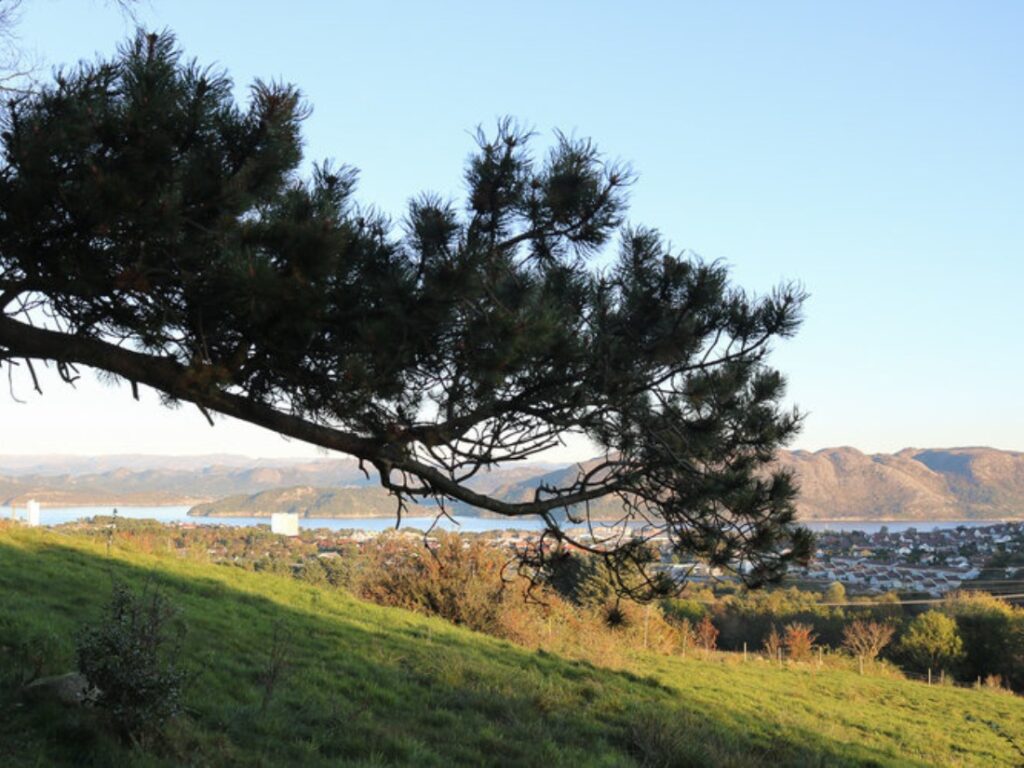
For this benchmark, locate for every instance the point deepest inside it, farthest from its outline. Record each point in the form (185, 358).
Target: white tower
(33, 513)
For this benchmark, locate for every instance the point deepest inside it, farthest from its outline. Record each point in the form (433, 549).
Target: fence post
(929, 675)
(942, 677)
(780, 657)
(744, 651)
(978, 684)
(860, 663)
(820, 651)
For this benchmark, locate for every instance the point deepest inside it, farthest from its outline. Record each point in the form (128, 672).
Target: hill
(934, 484)
(306, 502)
(374, 686)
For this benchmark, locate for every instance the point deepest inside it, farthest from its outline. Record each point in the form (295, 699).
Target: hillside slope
(374, 686)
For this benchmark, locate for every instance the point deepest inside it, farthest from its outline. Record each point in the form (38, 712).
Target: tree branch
(183, 383)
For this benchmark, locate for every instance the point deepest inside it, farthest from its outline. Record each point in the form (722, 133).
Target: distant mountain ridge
(139, 480)
(844, 483)
(72, 464)
(836, 483)
(154, 485)
(912, 484)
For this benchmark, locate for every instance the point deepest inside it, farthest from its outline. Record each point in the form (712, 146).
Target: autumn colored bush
(799, 641)
(707, 634)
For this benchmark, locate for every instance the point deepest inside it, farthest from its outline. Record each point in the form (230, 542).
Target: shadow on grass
(364, 685)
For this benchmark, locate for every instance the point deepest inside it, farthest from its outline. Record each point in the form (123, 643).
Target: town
(931, 563)
(927, 562)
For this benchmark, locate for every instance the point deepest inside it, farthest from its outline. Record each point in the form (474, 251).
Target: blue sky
(872, 151)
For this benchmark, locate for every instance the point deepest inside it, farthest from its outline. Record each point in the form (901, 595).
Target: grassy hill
(375, 686)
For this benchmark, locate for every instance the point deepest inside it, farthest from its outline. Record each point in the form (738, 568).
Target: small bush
(799, 640)
(773, 644)
(994, 682)
(707, 634)
(867, 639)
(687, 635)
(132, 659)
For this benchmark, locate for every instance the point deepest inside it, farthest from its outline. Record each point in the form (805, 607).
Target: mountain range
(156, 480)
(836, 483)
(844, 483)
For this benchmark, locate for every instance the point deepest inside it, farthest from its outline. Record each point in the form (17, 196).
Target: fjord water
(58, 515)
(179, 514)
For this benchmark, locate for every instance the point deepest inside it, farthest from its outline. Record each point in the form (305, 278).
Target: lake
(58, 515)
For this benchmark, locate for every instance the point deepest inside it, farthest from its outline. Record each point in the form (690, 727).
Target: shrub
(344, 571)
(131, 657)
(799, 641)
(645, 626)
(457, 580)
(867, 639)
(773, 643)
(687, 635)
(707, 634)
(994, 681)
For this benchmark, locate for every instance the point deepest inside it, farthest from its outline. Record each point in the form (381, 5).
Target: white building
(33, 513)
(284, 523)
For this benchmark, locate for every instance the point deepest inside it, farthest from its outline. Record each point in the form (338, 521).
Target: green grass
(376, 686)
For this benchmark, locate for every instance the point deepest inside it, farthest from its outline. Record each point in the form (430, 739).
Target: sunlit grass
(373, 686)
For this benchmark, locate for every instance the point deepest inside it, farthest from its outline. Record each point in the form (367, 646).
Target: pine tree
(154, 229)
